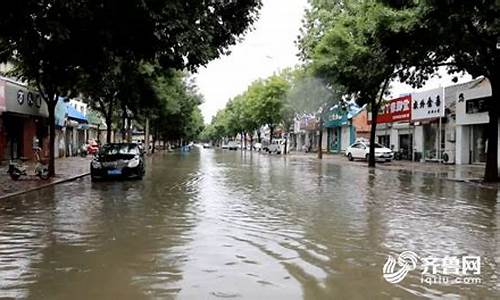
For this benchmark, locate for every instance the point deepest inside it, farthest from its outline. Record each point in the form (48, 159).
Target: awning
(72, 113)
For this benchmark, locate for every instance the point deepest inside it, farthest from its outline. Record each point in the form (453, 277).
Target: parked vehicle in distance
(206, 146)
(224, 146)
(361, 150)
(231, 145)
(92, 148)
(118, 160)
(275, 147)
(257, 146)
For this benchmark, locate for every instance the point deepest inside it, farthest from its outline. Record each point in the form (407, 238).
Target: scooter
(16, 169)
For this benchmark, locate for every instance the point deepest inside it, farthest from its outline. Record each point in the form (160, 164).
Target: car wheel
(349, 157)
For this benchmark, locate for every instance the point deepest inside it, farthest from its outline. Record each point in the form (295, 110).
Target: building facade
(23, 121)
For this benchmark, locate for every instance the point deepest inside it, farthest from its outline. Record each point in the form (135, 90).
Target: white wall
(462, 145)
(419, 139)
(324, 141)
(345, 138)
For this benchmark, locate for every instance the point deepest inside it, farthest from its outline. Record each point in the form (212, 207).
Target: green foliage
(464, 35)
(177, 115)
(266, 100)
(56, 43)
(347, 51)
(349, 55)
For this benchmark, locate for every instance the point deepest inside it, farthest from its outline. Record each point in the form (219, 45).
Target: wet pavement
(66, 168)
(212, 224)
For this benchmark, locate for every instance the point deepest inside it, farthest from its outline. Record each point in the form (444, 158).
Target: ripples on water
(229, 225)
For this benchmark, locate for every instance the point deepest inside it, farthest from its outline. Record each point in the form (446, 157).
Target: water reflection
(213, 224)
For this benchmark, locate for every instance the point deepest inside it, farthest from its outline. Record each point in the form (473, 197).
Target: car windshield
(114, 149)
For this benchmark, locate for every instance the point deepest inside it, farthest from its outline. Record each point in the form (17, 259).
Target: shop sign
(21, 100)
(471, 107)
(395, 110)
(428, 104)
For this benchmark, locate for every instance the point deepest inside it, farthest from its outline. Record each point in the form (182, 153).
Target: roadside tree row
(71, 47)
(364, 45)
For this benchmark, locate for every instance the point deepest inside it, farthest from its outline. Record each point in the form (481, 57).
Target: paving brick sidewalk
(66, 168)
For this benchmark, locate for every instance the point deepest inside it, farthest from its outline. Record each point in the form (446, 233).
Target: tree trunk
(146, 137)
(251, 142)
(109, 122)
(320, 139)
(51, 105)
(259, 140)
(241, 141)
(371, 156)
(491, 170)
(271, 132)
(286, 144)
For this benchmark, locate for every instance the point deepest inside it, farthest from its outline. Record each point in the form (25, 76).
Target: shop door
(479, 144)
(15, 129)
(334, 139)
(405, 145)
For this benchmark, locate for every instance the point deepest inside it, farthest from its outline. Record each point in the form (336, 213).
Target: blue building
(341, 128)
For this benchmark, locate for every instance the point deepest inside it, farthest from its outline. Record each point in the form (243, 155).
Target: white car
(231, 145)
(361, 150)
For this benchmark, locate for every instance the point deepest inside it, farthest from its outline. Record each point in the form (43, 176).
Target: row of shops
(24, 123)
(341, 127)
(446, 124)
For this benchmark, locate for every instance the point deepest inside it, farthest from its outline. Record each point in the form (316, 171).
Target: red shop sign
(395, 110)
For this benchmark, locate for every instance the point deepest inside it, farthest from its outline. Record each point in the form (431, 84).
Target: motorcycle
(16, 169)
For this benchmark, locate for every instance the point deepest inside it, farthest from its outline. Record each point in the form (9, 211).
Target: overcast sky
(265, 50)
(268, 48)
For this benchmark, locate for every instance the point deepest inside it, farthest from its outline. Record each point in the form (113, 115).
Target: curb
(43, 186)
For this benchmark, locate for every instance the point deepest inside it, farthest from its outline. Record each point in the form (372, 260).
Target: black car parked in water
(118, 160)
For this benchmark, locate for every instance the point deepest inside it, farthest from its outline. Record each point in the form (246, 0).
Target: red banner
(395, 110)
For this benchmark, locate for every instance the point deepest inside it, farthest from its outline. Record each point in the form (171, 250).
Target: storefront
(471, 124)
(429, 124)
(23, 121)
(341, 131)
(393, 126)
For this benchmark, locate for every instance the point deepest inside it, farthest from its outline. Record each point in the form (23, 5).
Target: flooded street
(213, 224)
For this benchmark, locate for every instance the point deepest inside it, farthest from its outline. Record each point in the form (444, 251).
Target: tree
(463, 35)
(349, 54)
(266, 99)
(311, 96)
(54, 42)
(178, 116)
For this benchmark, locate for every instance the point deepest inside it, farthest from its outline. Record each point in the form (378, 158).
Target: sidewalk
(466, 173)
(66, 169)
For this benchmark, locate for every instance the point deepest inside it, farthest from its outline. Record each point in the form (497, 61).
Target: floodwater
(217, 225)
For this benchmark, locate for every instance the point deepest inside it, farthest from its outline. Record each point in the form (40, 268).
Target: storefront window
(385, 140)
(430, 141)
(479, 144)
(405, 145)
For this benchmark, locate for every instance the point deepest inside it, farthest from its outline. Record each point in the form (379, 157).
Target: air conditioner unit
(448, 157)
